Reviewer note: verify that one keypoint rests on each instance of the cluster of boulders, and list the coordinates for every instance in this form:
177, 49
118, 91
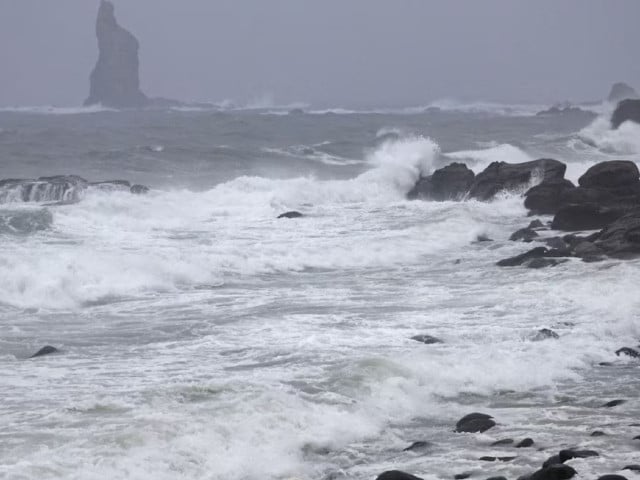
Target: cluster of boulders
607, 198
60, 189
553, 468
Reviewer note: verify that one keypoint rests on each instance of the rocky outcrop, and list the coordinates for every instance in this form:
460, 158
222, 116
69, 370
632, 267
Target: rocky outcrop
115, 79
548, 197
59, 189
621, 91
627, 110
449, 183
474, 423
614, 174
502, 176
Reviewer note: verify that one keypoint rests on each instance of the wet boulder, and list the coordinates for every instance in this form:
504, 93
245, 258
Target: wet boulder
621, 238
548, 197
588, 216
426, 339
112, 185
449, 183
501, 176
627, 110
139, 189
611, 175
628, 351
504, 441
524, 234
525, 443
538, 252
474, 423
417, 446
552, 472
613, 403
612, 477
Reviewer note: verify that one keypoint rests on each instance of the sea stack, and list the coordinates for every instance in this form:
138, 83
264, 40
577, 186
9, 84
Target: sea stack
115, 80
621, 91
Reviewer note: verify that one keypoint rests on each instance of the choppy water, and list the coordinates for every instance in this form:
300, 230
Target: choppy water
203, 338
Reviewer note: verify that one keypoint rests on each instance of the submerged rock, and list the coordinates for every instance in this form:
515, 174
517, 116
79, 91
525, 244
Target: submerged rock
537, 252
417, 446
630, 352
25, 222
292, 214
115, 79
527, 442
545, 334
627, 110
46, 350
139, 189
462, 476
612, 477
428, 339
501, 176
449, 183
474, 423
505, 441
524, 234
614, 403
396, 475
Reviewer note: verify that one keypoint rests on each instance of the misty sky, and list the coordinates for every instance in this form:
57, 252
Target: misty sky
329, 52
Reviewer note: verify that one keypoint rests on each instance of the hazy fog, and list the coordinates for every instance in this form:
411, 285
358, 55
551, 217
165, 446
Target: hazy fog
329, 52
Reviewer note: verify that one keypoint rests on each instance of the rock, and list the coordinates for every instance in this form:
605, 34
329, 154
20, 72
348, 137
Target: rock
449, 183
613, 403
292, 214
483, 238
611, 174
524, 234
627, 110
587, 249
474, 423
597, 433
427, 339
527, 442
585, 217
497, 478
554, 472
544, 334
139, 189
562, 110
536, 224
565, 455
555, 243
396, 475
553, 460
547, 197
417, 446
493, 459
461, 476
112, 185
115, 79
637, 437
612, 477
46, 350
621, 238
501, 176
537, 252
630, 352
621, 91
633, 468
506, 441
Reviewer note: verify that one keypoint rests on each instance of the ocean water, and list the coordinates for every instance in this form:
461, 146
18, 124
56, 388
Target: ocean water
202, 338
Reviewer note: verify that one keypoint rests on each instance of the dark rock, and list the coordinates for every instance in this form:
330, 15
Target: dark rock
585, 217
562, 110
536, 224
397, 475
139, 189
544, 334
630, 352
428, 339
597, 433
613, 403
494, 459
483, 238
565, 455
612, 477
46, 350
292, 214
554, 472
622, 237
475, 422
537, 263
612, 174
417, 446
553, 460
637, 437
497, 478
115, 80
633, 468
112, 185
487, 459
548, 197
621, 91
587, 249
524, 234
627, 110
501, 176
537, 252
555, 243
449, 183
527, 442
461, 476
505, 441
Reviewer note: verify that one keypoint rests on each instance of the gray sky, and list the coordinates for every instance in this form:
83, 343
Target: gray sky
329, 52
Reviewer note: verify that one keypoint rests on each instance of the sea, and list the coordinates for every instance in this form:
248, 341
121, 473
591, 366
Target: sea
201, 337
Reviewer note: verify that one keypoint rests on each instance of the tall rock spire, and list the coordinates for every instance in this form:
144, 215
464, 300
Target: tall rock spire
115, 80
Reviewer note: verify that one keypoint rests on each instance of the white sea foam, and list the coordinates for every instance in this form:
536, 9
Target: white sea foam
480, 159
625, 140
51, 110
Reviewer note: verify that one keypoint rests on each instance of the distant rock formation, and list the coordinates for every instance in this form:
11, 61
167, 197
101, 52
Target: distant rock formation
621, 91
627, 110
115, 81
